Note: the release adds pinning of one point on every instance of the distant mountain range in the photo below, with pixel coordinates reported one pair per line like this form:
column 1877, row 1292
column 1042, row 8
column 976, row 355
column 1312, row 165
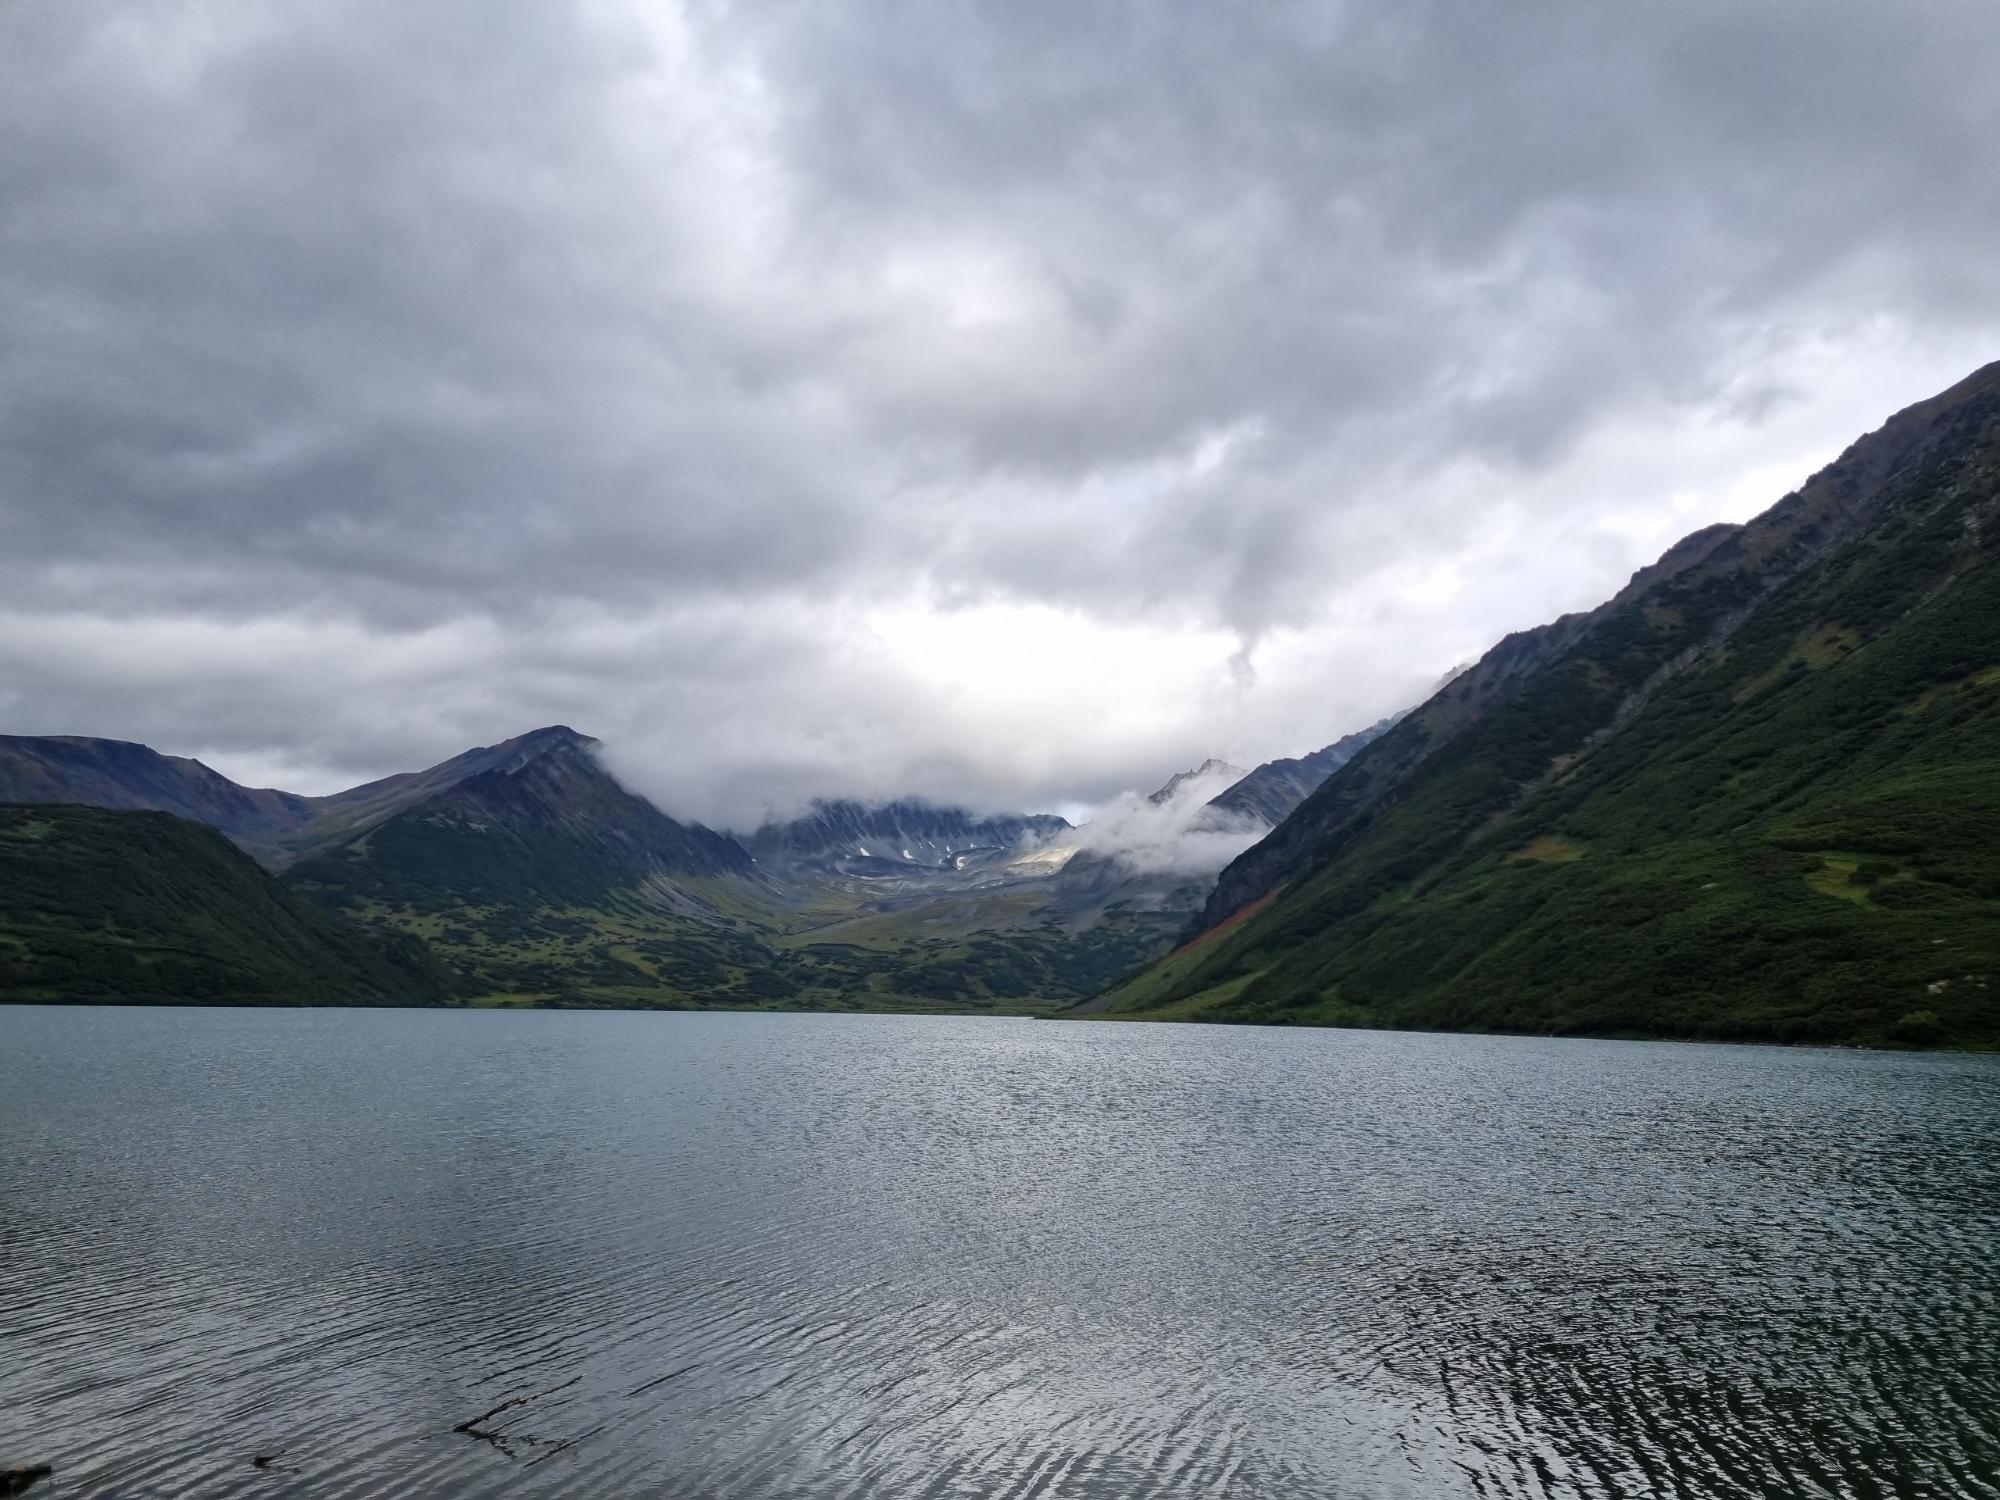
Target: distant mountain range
column 1753, row 795
column 897, row 838
column 535, row 877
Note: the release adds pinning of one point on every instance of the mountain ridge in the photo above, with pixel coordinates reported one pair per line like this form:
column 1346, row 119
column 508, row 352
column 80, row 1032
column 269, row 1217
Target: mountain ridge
column 123, row 774
column 1208, row 770
column 901, row 831
column 1274, row 789
column 1503, row 816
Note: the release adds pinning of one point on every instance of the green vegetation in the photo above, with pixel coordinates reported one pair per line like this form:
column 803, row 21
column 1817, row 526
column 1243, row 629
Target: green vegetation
column 1793, row 837
column 549, row 904
column 101, row 906
column 630, row 950
column 1027, row 968
column 1551, row 850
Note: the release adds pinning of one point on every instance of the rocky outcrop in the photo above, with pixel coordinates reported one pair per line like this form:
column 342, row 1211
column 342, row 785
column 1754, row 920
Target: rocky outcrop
column 906, row 833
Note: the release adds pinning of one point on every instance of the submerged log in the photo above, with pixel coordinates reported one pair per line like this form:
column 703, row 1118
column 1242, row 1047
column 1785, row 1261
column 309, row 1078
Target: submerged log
column 474, row 1425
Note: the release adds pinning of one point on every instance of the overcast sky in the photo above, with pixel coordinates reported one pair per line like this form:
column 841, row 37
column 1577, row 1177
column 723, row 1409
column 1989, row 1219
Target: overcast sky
column 1008, row 402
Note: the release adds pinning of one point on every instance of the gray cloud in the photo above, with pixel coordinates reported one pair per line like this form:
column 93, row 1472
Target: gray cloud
column 1178, row 835
column 394, row 377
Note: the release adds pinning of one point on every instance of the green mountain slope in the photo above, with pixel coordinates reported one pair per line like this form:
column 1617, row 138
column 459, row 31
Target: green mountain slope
column 541, row 878
column 107, row 906
column 1757, row 796
column 556, row 827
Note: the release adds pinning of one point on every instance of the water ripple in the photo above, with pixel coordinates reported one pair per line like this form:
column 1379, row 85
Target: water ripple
column 271, row 1254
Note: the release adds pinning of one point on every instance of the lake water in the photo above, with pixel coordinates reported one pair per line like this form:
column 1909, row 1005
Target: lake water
column 801, row 1256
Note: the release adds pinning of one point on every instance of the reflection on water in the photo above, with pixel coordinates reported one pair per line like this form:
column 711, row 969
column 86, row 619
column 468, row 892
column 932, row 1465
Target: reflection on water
column 763, row 1256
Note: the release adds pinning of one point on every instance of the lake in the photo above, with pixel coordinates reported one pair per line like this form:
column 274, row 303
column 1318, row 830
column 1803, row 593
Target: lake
column 842, row 1256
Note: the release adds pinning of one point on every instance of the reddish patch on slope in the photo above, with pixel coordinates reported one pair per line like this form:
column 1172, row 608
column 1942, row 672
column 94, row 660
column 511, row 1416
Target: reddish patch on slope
column 1235, row 919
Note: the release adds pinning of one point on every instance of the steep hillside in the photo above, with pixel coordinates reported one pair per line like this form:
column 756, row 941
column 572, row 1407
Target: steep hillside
column 1462, row 704
column 102, row 906
column 1753, row 796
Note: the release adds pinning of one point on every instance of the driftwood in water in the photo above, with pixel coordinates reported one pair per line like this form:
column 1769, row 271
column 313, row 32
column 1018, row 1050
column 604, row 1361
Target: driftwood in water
column 20, row 1481
column 505, row 1441
column 477, row 1423
column 551, row 1452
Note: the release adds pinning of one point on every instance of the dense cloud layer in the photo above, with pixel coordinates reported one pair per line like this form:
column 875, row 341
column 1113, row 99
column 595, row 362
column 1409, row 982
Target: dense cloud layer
column 995, row 402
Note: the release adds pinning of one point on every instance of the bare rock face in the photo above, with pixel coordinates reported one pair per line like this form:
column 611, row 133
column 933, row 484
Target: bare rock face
column 895, row 837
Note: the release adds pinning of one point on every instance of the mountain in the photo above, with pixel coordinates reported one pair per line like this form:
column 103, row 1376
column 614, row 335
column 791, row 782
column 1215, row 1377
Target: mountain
column 537, row 878
column 945, row 906
column 118, row 774
column 1209, row 770
column 543, row 880
column 530, row 868
column 1269, row 793
column 275, row 826
column 1751, row 796
column 1463, row 702
column 898, row 838
column 547, row 825
column 143, row 906
column 345, row 814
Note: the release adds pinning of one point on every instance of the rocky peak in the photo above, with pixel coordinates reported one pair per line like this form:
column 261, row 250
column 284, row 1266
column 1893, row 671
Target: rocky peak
column 1218, row 772
column 907, row 831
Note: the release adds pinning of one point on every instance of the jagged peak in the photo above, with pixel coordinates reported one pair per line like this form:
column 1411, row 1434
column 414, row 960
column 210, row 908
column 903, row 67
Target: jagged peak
column 1207, row 770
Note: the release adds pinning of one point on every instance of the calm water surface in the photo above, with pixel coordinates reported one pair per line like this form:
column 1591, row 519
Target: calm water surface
column 764, row 1256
